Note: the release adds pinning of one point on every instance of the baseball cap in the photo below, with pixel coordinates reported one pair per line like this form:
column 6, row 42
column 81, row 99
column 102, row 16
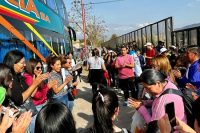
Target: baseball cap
column 148, row 44
column 162, row 50
column 172, row 46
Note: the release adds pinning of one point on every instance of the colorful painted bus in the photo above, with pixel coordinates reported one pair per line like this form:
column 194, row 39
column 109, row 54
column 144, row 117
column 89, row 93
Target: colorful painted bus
column 35, row 27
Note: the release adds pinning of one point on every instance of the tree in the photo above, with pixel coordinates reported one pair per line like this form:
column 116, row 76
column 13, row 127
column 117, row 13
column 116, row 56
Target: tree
column 95, row 27
column 113, row 36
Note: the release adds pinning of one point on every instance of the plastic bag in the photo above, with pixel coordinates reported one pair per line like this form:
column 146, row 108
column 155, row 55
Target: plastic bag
column 137, row 122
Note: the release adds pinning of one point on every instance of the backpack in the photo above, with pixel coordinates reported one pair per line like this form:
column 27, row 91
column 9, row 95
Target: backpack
column 187, row 101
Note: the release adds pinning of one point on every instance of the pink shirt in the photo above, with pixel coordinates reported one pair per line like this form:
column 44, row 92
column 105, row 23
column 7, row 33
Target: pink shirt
column 158, row 106
column 40, row 96
column 125, row 72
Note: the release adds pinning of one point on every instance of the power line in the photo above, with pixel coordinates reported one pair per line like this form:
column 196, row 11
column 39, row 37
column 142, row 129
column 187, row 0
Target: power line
column 103, row 2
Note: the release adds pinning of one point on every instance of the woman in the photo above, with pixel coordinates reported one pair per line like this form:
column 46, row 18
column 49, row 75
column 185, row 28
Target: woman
column 105, row 107
column 155, row 83
column 33, row 69
column 161, row 63
column 95, row 65
column 66, row 71
column 59, row 93
column 55, row 118
column 8, row 119
column 20, row 91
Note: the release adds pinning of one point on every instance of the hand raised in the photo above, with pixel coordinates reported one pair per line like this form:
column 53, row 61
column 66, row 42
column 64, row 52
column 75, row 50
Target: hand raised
column 40, row 78
column 135, row 103
column 8, row 119
column 21, row 124
column 68, row 79
column 51, row 83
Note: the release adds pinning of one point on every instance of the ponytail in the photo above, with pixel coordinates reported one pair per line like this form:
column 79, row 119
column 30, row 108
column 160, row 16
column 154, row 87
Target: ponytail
column 103, row 105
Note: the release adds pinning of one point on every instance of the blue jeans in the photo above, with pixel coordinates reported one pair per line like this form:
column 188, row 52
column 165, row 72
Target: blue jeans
column 62, row 98
column 70, row 105
column 31, row 127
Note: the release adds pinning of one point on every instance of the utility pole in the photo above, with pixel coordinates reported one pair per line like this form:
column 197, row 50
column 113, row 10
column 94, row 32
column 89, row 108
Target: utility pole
column 84, row 25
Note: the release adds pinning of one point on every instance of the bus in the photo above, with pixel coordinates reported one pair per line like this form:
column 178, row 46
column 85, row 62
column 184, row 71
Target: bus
column 35, row 27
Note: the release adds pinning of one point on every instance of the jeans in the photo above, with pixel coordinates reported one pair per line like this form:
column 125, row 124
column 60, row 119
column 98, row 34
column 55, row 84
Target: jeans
column 31, row 127
column 70, row 105
column 62, row 98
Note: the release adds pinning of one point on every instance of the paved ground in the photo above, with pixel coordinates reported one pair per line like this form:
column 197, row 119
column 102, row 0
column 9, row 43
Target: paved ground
column 82, row 111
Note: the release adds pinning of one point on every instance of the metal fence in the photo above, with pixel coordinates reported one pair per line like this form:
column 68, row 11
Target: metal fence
column 190, row 35
column 158, row 31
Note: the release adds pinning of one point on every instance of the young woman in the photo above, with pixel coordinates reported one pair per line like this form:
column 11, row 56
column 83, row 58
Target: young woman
column 55, row 118
column 59, row 93
column 65, row 70
column 161, row 63
column 96, row 66
column 105, row 107
column 33, row 69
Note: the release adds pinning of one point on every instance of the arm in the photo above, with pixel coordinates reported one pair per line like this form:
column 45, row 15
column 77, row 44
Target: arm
column 103, row 67
column 141, row 109
column 88, row 66
column 29, row 81
column 131, row 62
column 40, row 93
column 57, row 88
column 129, row 65
column 26, row 94
column 117, row 64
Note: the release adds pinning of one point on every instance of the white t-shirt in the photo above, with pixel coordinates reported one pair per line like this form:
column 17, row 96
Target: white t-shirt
column 95, row 63
column 137, row 68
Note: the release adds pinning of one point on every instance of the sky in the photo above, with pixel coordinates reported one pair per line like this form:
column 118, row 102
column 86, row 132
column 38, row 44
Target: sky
column 128, row 15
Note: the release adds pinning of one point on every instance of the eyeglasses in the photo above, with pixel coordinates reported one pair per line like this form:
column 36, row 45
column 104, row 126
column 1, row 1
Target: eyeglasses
column 38, row 68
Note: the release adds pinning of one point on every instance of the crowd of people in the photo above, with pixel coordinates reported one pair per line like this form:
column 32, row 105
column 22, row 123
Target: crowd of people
column 158, row 77
column 41, row 101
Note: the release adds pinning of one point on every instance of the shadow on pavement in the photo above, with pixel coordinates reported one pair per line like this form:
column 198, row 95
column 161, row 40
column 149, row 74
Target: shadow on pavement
column 88, row 118
column 84, row 78
column 86, row 94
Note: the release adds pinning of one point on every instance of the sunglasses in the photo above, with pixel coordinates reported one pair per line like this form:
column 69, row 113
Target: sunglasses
column 38, row 68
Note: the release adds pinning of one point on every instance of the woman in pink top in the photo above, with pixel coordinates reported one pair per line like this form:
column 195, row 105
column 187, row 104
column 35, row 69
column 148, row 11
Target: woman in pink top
column 155, row 83
column 39, row 96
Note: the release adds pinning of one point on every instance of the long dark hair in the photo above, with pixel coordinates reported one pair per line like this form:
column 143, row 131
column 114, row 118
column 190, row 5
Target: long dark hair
column 151, row 77
column 12, row 57
column 104, row 105
column 51, row 60
column 55, row 118
column 95, row 52
column 30, row 66
column 5, row 76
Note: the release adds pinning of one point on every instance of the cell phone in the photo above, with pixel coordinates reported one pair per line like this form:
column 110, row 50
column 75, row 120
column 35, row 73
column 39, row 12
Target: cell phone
column 170, row 111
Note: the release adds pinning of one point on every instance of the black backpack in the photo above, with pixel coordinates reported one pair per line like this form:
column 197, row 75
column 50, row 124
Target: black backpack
column 187, row 101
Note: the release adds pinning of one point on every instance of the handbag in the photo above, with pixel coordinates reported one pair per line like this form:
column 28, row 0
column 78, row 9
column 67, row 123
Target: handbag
column 74, row 92
column 28, row 105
